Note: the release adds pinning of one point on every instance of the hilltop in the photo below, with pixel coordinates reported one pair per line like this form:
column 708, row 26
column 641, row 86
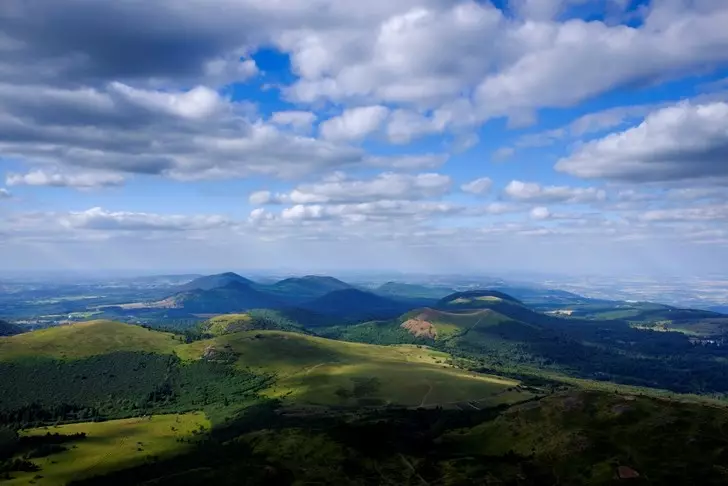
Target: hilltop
column 85, row 339
column 210, row 282
column 356, row 305
column 300, row 289
column 234, row 296
column 474, row 299
column 257, row 319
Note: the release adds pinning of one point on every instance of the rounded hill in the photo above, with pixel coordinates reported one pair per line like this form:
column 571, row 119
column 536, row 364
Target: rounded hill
column 473, row 299
column 210, row 282
column 85, row 339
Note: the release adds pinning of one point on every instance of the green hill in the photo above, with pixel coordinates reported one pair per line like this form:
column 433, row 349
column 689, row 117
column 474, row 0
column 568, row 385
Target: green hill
column 7, row 329
column 85, row 339
column 300, row 289
column 257, row 319
column 113, row 367
column 476, row 299
column 356, row 305
column 210, row 282
column 442, row 325
column 318, row 371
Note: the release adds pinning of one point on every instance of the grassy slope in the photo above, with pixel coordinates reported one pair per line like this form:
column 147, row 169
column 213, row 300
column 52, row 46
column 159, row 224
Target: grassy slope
column 448, row 324
column 311, row 370
column 85, row 339
column 228, row 323
column 111, row 446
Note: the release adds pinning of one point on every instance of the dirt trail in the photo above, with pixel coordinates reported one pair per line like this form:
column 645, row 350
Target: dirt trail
column 308, row 371
column 412, row 468
column 424, row 399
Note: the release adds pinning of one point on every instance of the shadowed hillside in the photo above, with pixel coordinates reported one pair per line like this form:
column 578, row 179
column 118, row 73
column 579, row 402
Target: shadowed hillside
column 301, row 289
column 233, row 297
column 357, row 305
column 210, row 282
column 7, row 329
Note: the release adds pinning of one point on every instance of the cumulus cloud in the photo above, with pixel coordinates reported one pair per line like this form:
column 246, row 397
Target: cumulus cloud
column 298, row 120
column 354, row 124
column 388, row 211
column 4, row 193
column 540, row 212
column 535, row 193
column 681, row 142
column 572, row 61
column 399, row 57
column 478, row 186
column 54, row 179
column 407, row 162
column 101, row 219
column 387, row 186
column 177, row 135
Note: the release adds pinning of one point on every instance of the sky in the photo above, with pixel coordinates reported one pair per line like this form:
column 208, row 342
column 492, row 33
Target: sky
column 569, row 136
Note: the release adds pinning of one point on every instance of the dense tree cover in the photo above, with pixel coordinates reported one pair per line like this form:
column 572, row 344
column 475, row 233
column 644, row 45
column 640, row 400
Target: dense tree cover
column 119, row 385
column 17, row 453
column 377, row 332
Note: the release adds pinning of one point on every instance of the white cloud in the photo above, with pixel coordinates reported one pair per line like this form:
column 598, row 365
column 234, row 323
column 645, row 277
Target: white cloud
column 684, row 141
column 384, row 211
column 299, row 120
column 399, row 57
column 540, row 212
column 387, row 186
column 54, row 179
column 261, row 197
column 4, row 193
column 195, row 104
column 533, row 192
column 354, row 124
column 407, row 162
column 563, row 64
column 101, row 219
column 478, row 186
column 222, row 71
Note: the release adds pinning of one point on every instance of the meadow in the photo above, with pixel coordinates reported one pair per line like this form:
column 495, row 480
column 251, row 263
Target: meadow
column 314, row 370
column 113, row 445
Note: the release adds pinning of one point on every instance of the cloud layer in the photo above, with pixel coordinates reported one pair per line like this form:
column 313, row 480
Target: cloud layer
column 420, row 123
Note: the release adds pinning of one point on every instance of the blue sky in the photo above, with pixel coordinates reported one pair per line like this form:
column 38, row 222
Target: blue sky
column 569, row 136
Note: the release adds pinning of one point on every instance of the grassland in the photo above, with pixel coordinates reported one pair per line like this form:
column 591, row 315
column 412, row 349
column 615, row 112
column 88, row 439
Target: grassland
column 112, row 445
column 307, row 369
column 313, row 370
column 449, row 324
column 228, row 323
column 84, row 340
